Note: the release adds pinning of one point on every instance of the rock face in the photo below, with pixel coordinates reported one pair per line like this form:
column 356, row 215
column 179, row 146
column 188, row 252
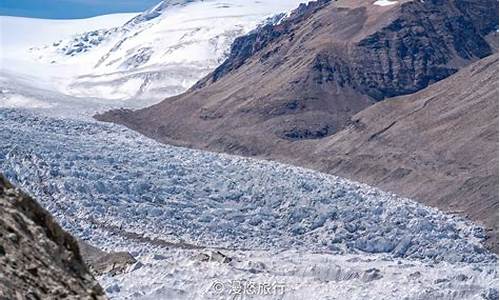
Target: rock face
column 439, row 145
column 416, row 48
column 38, row 260
column 102, row 262
column 288, row 91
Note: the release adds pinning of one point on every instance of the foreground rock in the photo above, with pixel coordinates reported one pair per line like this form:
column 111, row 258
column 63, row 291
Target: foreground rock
column 38, row 260
column 101, row 262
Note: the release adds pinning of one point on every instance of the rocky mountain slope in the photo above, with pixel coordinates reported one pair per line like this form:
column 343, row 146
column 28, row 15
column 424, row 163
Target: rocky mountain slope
column 305, row 77
column 38, row 259
column 289, row 92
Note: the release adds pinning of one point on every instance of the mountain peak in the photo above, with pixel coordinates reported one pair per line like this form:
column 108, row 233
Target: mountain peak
column 159, row 9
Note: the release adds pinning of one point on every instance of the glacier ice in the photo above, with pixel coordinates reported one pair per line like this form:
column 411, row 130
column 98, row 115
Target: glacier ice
column 320, row 235
column 118, row 177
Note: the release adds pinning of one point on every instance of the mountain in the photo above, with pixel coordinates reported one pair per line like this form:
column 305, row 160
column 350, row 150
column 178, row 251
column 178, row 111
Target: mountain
column 290, row 92
column 162, row 51
column 38, row 259
column 304, row 78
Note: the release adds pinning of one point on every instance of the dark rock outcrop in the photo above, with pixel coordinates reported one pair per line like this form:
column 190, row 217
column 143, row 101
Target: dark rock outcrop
column 38, row 259
column 245, row 46
column 102, row 262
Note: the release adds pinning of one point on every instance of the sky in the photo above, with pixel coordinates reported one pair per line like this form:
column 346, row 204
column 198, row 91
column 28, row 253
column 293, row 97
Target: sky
column 71, row 9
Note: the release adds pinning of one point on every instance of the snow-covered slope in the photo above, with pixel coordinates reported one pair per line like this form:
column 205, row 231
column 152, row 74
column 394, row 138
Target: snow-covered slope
column 123, row 191
column 18, row 33
column 155, row 54
column 296, row 275
column 27, row 92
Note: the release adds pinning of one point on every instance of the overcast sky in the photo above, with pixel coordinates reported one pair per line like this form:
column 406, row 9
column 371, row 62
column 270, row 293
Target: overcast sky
column 70, row 9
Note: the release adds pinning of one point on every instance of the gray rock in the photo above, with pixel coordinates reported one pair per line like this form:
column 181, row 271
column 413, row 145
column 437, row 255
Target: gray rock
column 37, row 257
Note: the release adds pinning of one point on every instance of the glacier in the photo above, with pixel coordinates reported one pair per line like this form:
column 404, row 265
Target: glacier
column 109, row 185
